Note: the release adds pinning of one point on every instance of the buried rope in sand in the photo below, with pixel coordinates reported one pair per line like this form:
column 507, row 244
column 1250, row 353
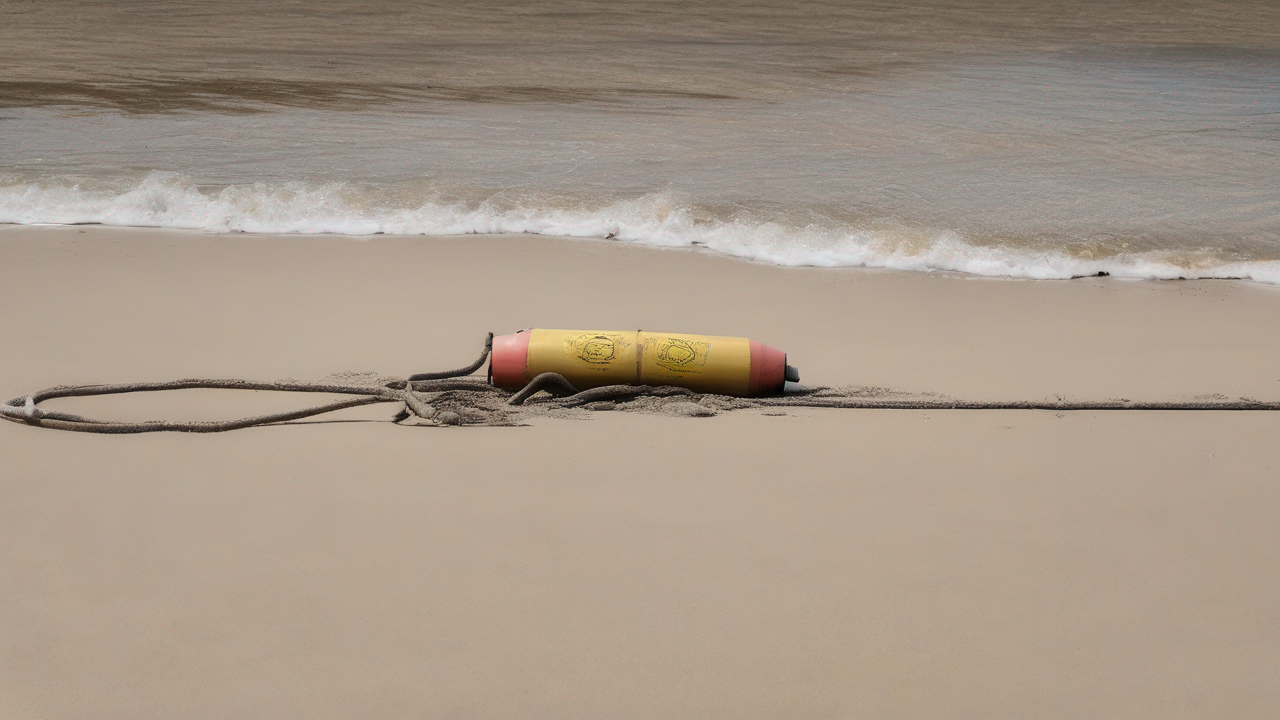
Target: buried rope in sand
column 451, row 398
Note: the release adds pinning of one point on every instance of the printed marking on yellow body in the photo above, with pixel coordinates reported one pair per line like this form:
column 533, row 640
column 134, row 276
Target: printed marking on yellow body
column 586, row 358
column 593, row 358
column 704, row 362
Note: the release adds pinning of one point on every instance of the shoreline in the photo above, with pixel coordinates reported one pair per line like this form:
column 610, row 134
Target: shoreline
column 821, row 562
column 936, row 250
column 696, row 247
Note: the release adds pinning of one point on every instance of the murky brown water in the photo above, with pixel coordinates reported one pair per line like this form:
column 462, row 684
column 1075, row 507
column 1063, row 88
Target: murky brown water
column 999, row 138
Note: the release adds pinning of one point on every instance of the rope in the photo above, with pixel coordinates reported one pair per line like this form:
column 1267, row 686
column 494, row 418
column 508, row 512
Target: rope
column 488, row 348
column 822, row 397
column 450, row 398
column 408, row 392
column 554, row 383
column 1063, row 405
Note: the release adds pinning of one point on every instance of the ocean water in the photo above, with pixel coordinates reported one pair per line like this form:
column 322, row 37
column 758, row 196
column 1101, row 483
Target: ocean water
column 1025, row 139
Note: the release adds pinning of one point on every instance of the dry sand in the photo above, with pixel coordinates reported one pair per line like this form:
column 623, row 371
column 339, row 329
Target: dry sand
column 857, row 564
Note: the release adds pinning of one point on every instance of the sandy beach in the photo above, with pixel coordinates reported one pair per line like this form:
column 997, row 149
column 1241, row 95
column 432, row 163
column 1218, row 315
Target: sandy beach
column 819, row 563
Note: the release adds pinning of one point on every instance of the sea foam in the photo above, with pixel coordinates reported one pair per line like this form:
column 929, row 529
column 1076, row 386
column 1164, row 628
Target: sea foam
column 170, row 200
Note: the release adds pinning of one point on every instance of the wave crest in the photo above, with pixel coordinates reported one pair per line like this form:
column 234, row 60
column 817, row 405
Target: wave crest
column 170, row 200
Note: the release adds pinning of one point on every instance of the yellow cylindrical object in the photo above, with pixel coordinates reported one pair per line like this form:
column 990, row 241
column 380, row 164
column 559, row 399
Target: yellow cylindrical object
column 588, row 358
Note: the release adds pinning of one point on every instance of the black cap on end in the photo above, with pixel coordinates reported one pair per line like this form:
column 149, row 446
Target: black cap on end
column 792, row 374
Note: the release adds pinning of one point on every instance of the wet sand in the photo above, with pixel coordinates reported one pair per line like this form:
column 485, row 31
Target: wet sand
column 815, row 564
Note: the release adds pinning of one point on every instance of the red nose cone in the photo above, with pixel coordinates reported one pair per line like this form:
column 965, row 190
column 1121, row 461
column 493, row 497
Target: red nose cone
column 509, row 361
column 768, row 369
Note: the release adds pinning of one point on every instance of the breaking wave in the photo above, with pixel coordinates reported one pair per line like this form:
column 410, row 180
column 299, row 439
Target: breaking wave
column 770, row 235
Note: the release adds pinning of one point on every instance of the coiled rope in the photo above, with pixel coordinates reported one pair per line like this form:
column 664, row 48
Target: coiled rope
column 450, row 398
